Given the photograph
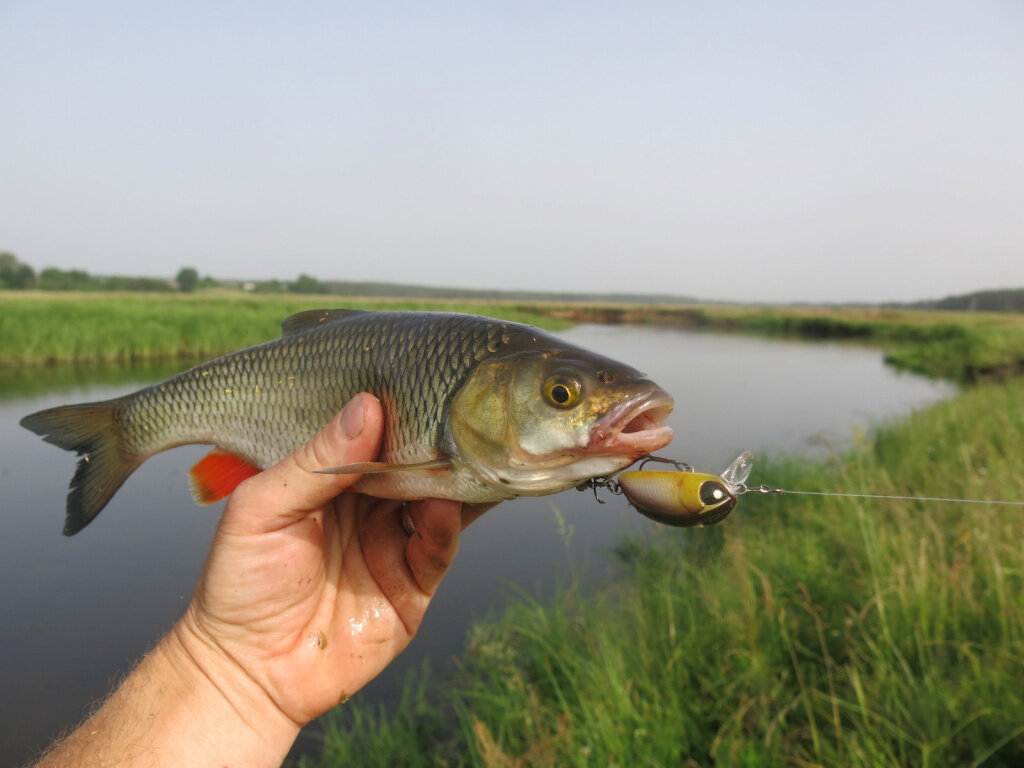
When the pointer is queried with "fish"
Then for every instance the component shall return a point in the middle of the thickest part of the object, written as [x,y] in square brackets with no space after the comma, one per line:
[475,409]
[686,498]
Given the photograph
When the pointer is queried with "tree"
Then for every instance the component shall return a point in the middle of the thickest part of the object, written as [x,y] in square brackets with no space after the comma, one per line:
[14,274]
[306,284]
[53,279]
[187,279]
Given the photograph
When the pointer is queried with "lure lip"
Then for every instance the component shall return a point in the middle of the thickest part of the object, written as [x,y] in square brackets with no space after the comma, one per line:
[635,425]
[737,473]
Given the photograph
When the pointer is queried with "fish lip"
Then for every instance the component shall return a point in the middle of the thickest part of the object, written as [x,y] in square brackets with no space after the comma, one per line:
[612,435]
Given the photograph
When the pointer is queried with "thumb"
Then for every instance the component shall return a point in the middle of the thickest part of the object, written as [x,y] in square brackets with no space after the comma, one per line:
[289,490]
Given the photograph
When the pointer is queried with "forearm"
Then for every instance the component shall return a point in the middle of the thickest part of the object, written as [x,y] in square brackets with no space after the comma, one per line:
[180,706]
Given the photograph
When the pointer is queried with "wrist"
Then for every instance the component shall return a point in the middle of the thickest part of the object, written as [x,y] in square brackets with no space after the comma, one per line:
[229,712]
[182,705]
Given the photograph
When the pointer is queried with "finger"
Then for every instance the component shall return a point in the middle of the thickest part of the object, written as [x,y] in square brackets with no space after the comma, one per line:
[408,568]
[290,489]
[434,543]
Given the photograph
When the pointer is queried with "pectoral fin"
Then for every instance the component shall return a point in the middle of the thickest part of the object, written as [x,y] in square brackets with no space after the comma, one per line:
[378,467]
[217,474]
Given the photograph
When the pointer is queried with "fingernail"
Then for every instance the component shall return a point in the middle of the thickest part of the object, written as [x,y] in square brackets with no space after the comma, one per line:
[352,418]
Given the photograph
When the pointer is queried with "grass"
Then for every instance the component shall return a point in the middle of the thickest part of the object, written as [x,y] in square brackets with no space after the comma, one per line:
[45,328]
[802,631]
[965,346]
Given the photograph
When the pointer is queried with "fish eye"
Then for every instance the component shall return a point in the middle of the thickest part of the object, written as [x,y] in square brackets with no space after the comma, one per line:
[712,494]
[562,389]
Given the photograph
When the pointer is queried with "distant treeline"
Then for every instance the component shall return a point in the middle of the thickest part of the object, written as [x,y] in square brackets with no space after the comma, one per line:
[1008,300]
[307,284]
[16,275]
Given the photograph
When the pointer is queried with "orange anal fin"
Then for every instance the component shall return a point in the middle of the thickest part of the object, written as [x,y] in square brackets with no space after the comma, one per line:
[217,474]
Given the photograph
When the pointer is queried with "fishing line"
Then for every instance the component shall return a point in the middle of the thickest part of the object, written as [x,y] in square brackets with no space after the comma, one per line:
[742,489]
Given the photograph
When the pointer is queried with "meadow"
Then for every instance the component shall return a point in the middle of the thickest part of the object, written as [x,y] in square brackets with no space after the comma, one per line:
[802,631]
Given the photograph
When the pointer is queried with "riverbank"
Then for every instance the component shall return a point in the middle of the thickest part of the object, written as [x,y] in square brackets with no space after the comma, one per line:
[965,346]
[38,328]
[801,631]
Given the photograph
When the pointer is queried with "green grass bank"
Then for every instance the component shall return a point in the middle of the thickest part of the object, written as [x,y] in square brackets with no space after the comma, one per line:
[800,632]
[40,328]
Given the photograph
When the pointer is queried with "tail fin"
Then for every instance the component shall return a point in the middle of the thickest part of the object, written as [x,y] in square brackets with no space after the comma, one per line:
[91,430]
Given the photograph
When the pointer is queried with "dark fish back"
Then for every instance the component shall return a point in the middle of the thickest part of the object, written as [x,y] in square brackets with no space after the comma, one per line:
[264,401]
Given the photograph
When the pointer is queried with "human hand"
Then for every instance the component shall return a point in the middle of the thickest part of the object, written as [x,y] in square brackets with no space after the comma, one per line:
[311,592]
[307,594]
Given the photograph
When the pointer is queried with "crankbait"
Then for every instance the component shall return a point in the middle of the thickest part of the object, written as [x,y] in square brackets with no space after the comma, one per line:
[686,498]
[683,497]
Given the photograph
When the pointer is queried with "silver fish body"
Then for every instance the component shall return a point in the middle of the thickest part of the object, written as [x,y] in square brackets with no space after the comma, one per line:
[482,397]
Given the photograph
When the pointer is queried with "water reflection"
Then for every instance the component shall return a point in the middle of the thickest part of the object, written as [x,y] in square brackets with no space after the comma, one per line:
[77,612]
[25,381]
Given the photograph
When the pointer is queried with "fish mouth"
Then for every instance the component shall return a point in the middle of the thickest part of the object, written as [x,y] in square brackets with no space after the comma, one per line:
[634,427]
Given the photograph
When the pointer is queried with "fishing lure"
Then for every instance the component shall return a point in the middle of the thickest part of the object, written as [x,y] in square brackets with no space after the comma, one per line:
[686,498]
[683,498]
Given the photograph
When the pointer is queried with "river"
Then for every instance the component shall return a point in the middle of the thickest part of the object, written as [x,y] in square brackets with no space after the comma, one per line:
[77,612]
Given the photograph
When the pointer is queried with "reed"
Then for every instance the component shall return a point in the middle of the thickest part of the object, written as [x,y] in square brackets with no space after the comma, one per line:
[802,631]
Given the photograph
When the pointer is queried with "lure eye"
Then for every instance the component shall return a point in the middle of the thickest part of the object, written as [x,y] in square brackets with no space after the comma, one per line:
[562,389]
[712,493]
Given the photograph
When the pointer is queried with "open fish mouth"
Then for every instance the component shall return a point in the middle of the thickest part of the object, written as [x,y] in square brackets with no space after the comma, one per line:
[636,426]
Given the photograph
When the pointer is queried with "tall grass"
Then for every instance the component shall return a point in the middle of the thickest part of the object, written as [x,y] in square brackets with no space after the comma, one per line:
[87,328]
[802,631]
[40,328]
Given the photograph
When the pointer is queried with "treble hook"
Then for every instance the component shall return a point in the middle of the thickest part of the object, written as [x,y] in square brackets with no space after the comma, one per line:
[682,466]
[612,485]
[600,482]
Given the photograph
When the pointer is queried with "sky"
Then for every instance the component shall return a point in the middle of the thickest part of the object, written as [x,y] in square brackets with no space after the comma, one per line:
[738,151]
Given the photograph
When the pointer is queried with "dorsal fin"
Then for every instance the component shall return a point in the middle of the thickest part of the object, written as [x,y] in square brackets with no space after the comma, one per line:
[314,318]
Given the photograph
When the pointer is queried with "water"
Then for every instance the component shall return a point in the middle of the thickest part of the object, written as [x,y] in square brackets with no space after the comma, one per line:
[77,612]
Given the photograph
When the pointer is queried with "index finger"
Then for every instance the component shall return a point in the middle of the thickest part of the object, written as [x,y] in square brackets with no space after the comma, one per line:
[289,490]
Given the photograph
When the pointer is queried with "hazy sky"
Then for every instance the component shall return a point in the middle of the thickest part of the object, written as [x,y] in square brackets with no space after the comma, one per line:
[812,151]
